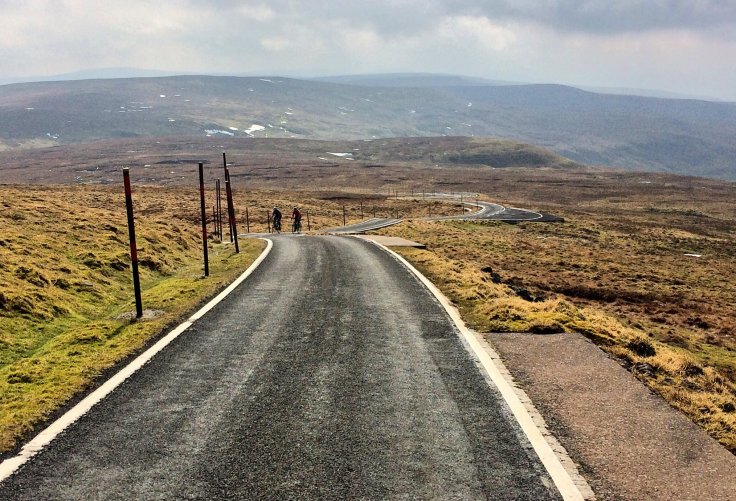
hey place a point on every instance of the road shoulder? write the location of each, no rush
(629, 442)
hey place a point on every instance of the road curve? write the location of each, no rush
(363, 226)
(331, 373)
(495, 212)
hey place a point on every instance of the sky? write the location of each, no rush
(681, 46)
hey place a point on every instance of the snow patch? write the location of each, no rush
(346, 156)
(212, 132)
(253, 128)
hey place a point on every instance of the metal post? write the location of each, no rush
(133, 247)
(247, 220)
(231, 215)
(218, 214)
(204, 220)
(227, 197)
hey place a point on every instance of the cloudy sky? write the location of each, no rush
(682, 46)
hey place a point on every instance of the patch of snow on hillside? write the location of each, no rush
(162, 95)
(346, 156)
(212, 132)
(253, 128)
(30, 109)
(470, 105)
(265, 80)
(233, 128)
(172, 120)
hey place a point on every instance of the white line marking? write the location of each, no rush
(562, 479)
(11, 465)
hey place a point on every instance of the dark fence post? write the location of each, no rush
(133, 247)
(228, 188)
(218, 216)
(247, 220)
(361, 210)
(231, 214)
(309, 225)
(343, 215)
(204, 220)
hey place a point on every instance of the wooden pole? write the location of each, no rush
(133, 247)
(204, 220)
(231, 215)
(309, 225)
(343, 215)
(247, 220)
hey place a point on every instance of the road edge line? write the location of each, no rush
(48, 434)
(562, 479)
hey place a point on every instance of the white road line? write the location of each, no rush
(562, 479)
(10, 465)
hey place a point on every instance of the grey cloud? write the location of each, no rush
(607, 16)
(590, 16)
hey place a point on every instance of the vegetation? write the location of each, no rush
(622, 271)
(669, 135)
(66, 303)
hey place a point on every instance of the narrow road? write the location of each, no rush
(331, 373)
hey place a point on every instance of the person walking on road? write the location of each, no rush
(276, 217)
(296, 216)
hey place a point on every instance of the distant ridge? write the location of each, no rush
(682, 136)
(411, 80)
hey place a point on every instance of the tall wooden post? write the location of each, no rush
(133, 247)
(247, 220)
(204, 220)
(343, 215)
(231, 214)
(309, 225)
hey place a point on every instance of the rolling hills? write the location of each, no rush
(639, 133)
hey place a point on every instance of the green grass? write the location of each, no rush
(66, 302)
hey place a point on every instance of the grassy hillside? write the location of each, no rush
(279, 162)
(682, 136)
(646, 268)
(66, 296)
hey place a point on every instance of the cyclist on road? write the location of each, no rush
(276, 217)
(297, 217)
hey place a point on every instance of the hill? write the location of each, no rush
(640, 133)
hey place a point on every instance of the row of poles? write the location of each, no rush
(217, 220)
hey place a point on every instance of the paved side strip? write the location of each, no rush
(10, 465)
(562, 479)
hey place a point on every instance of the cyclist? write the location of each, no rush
(297, 217)
(276, 217)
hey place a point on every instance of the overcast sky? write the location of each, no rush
(683, 46)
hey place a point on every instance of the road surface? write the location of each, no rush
(331, 373)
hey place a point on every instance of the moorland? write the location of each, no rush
(685, 136)
(643, 263)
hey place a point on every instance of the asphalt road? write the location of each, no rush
(331, 373)
(363, 226)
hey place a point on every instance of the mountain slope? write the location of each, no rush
(680, 136)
